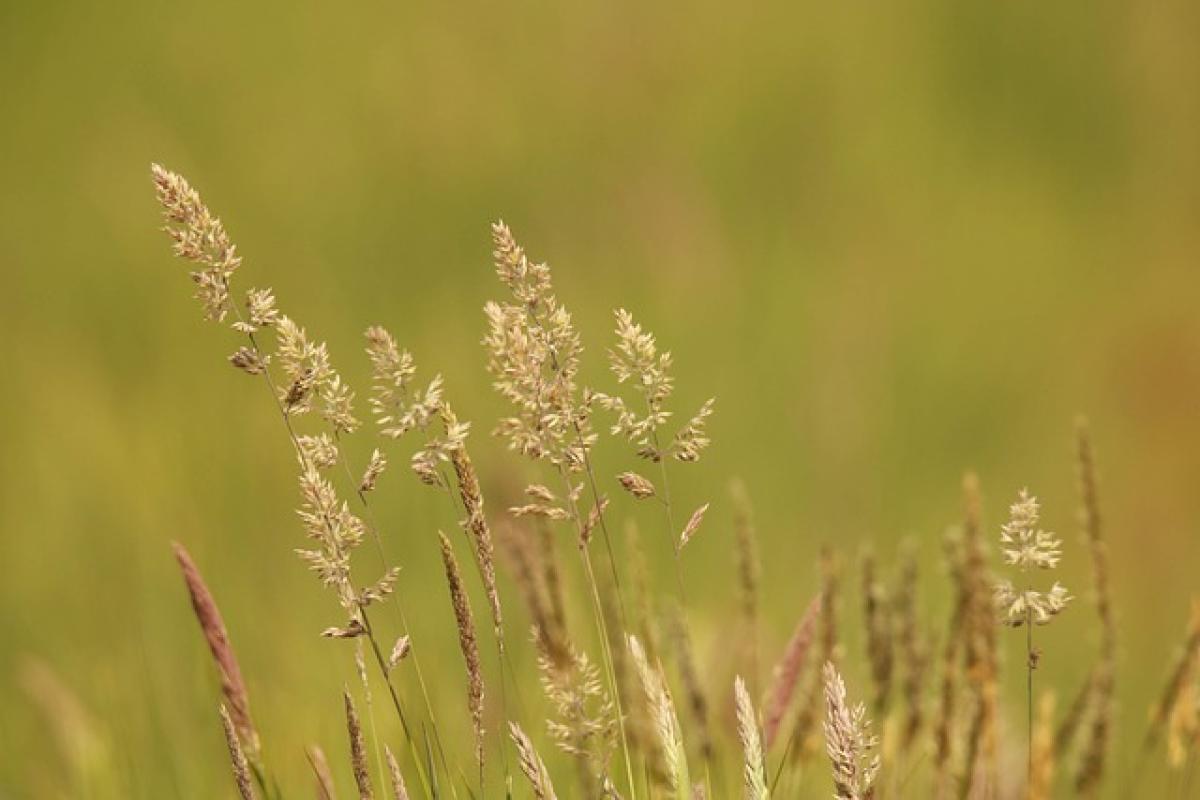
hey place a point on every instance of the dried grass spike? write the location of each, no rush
(320, 767)
(693, 525)
(787, 671)
(467, 642)
(666, 722)
(476, 524)
(358, 749)
(399, 789)
(637, 485)
(233, 688)
(241, 768)
(848, 741)
(754, 774)
(532, 764)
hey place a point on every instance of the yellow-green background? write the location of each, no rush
(895, 240)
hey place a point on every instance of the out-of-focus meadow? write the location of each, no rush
(895, 241)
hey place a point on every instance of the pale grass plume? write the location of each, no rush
(199, 237)
(358, 749)
(233, 687)
(532, 765)
(467, 642)
(592, 521)
(328, 521)
(787, 672)
(398, 405)
(322, 775)
(692, 526)
(400, 651)
(312, 382)
(753, 770)
(1026, 546)
(636, 360)
(476, 526)
(399, 788)
(665, 720)
(848, 741)
(637, 485)
(241, 768)
(583, 723)
(375, 467)
(534, 352)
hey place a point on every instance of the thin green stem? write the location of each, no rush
(270, 384)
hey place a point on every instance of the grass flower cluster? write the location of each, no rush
(626, 708)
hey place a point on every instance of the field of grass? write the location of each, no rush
(896, 244)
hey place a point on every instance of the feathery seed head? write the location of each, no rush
(666, 722)
(358, 749)
(693, 525)
(233, 687)
(398, 406)
(534, 354)
(199, 237)
(532, 765)
(753, 771)
(1025, 546)
(249, 361)
(636, 360)
(848, 741)
(241, 767)
(400, 651)
(637, 485)
(375, 468)
(399, 788)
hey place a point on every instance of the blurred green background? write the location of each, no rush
(896, 241)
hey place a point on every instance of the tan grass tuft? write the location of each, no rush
(848, 741)
(241, 768)
(233, 688)
(399, 789)
(753, 770)
(477, 526)
(666, 722)
(467, 642)
(358, 749)
(532, 765)
(787, 672)
(693, 525)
